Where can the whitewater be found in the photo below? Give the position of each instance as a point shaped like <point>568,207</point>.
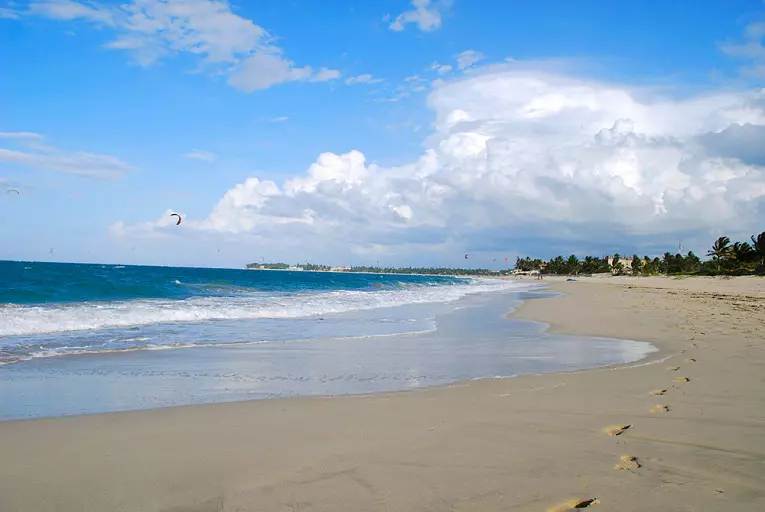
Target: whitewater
<point>49,309</point>
<point>100,338</point>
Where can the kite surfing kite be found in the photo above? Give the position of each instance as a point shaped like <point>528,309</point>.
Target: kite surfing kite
<point>466,256</point>
<point>179,218</point>
<point>13,190</point>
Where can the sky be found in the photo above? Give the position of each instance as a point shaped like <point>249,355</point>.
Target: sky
<point>404,132</point>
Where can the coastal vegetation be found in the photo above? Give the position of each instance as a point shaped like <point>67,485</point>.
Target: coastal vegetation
<point>724,258</point>
<point>437,271</point>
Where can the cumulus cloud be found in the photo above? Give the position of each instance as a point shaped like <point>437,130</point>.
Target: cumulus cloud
<point>31,151</point>
<point>519,153</point>
<point>750,49</point>
<point>200,154</point>
<point>362,79</point>
<point>424,13</point>
<point>468,58</point>
<point>149,30</point>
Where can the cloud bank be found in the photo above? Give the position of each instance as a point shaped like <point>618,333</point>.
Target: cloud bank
<point>521,155</point>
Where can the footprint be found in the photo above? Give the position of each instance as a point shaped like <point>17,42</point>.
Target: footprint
<point>627,462</point>
<point>660,408</point>
<point>657,392</point>
<point>615,430</point>
<point>673,368</point>
<point>682,379</point>
<point>690,360</point>
<point>574,504</point>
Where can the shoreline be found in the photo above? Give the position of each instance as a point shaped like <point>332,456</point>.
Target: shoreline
<point>524,443</point>
<point>260,371</point>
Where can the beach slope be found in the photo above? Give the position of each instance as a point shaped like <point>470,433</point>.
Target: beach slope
<point>685,432</point>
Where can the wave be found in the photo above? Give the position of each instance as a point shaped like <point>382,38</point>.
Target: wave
<point>48,283</point>
<point>19,320</point>
<point>15,356</point>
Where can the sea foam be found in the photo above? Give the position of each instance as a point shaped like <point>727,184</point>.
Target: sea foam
<point>18,320</point>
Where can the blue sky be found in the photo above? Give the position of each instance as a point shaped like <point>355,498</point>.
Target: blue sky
<point>113,113</point>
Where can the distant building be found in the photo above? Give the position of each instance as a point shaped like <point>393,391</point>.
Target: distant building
<point>340,269</point>
<point>625,262</point>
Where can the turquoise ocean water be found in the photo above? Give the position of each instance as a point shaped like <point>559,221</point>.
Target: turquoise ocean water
<point>80,338</point>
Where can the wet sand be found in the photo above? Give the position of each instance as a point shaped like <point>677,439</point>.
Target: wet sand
<point>526,443</point>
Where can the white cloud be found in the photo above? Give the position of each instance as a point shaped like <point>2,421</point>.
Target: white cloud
<point>158,228</point>
<point>362,79</point>
<point>410,85</point>
<point>522,153</point>
<point>750,49</point>
<point>200,154</point>
<point>262,70</point>
<point>468,58</point>
<point>68,10</point>
<point>425,14</point>
<point>9,14</point>
<point>325,75</point>
<point>21,136</point>
<point>441,69</point>
<point>149,30</point>
<point>38,155</point>
<point>279,119</point>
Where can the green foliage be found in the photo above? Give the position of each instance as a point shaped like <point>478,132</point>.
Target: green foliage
<point>316,268</point>
<point>637,265</point>
<point>738,258</point>
<point>269,266</point>
<point>758,245</point>
<point>437,271</point>
<point>720,251</point>
<point>385,270</point>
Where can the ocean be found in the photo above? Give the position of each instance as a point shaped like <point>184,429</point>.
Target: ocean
<point>82,338</point>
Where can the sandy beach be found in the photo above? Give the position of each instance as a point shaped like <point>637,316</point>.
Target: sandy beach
<point>527,443</point>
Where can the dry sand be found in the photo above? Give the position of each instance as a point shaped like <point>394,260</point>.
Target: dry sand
<point>528,443</point>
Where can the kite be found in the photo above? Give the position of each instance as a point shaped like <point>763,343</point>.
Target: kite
<point>179,218</point>
<point>13,190</point>
<point>466,256</point>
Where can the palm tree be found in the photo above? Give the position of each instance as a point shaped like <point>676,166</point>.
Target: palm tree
<point>720,250</point>
<point>758,244</point>
<point>637,265</point>
<point>742,252</point>
<point>572,265</point>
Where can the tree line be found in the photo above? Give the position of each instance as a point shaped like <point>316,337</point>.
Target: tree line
<point>437,271</point>
<point>725,258</point>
